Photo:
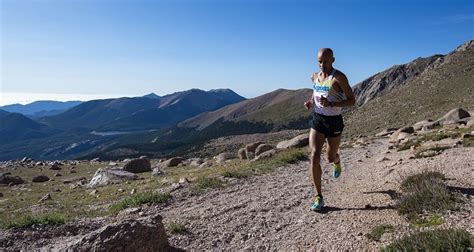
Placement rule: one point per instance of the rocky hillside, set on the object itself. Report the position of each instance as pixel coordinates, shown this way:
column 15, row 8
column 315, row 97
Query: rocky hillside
column 279, row 108
column 424, row 88
column 259, row 201
column 384, row 82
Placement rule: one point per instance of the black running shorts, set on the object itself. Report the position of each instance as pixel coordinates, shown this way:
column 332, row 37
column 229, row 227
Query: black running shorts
column 331, row 126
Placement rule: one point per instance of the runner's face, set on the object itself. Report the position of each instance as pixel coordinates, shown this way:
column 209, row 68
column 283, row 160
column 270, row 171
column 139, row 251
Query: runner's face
column 325, row 61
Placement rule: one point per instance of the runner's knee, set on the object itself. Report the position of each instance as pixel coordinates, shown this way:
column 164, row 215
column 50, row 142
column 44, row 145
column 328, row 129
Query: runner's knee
column 315, row 153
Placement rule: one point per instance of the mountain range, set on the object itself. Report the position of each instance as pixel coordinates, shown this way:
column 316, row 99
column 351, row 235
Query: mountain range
column 182, row 122
column 39, row 109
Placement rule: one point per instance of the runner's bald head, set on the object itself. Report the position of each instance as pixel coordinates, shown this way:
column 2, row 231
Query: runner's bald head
column 326, row 52
column 325, row 59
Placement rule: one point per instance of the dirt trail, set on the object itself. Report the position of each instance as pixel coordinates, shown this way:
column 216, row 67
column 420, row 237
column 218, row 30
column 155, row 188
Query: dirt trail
column 272, row 211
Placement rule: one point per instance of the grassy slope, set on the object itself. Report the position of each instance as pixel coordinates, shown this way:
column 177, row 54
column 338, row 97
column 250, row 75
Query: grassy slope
column 428, row 96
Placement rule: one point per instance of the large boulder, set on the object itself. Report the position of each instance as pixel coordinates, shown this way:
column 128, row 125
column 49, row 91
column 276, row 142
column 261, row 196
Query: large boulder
column 266, row 154
column 419, row 125
column 262, row 148
column 55, row 167
column 296, row 142
column 386, row 132
column 40, row 178
column 470, row 123
column 173, row 162
column 157, row 172
column 394, row 136
column 145, row 234
column 430, row 125
column 195, row 162
column 5, row 179
column 224, row 157
column 74, row 180
column 252, row 146
column 104, row 176
column 242, row 154
column 138, row 165
column 455, row 115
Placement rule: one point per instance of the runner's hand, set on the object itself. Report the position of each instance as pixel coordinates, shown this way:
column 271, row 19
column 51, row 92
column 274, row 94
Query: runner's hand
column 324, row 101
column 308, row 104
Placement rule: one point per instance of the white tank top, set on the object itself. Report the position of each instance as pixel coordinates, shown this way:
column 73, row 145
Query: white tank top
column 327, row 90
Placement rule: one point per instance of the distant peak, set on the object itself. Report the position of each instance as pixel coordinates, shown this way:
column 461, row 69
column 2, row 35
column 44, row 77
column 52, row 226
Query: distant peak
column 221, row 90
column 465, row 46
column 152, row 96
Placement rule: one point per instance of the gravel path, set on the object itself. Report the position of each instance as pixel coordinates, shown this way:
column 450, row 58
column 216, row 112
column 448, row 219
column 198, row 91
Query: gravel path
column 272, row 211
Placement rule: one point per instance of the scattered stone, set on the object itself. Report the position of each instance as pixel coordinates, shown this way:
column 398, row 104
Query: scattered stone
column 262, row 148
column 470, row 123
column 242, row 154
column 386, row 132
column 224, row 157
column 75, row 179
column 252, row 146
column 94, row 192
column 419, row 125
column 266, row 154
column 395, row 136
column 55, row 167
column 45, row 197
column 133, row 191
column 40, row 178
column 157, row 172
column 466, row 135
column 172, row 162
column 195, row 162
column 296, row 142
column 5, row 179
column 144, row 234
column 110, row 176
column 183, row 181
column 428, row 153
column 95, row 160
column 138, row 165
column 58, row 175
column 430, row 126
column 383, row 159
column 120, row 190
column 112, row 164
column 455, row 115
column 205, row 164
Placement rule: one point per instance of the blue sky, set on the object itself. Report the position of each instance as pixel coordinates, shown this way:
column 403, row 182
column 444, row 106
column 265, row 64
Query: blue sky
column 110, row 48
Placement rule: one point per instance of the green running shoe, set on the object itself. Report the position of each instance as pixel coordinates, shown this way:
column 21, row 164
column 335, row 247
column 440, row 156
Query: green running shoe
column 336, row 170
column 318, row 204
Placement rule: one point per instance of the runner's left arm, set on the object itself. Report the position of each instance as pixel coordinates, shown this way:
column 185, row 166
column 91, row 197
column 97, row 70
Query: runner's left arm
column 344, row 85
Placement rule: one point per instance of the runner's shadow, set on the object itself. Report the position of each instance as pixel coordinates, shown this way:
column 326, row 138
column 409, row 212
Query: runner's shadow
column 391, row 193
column 469, row 190
column 328, row 209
